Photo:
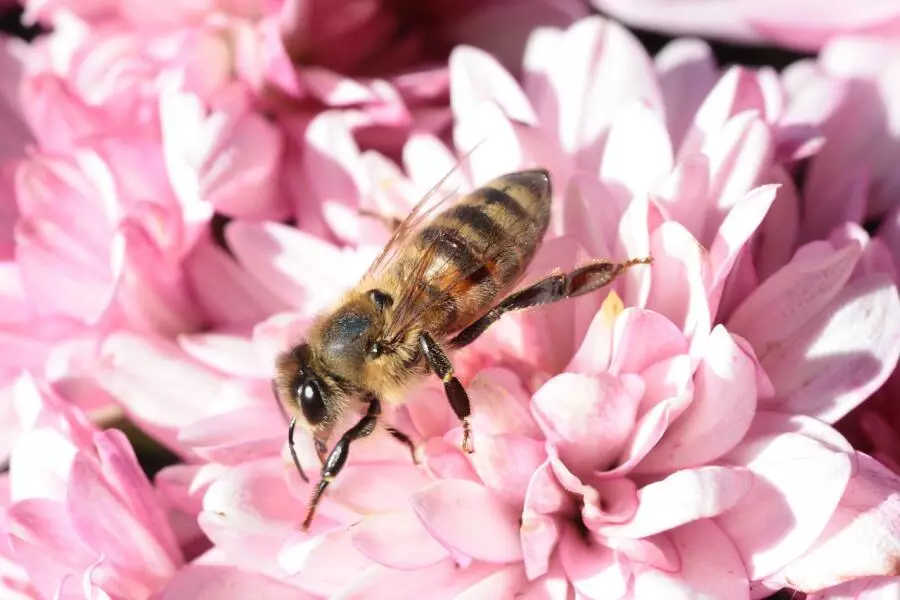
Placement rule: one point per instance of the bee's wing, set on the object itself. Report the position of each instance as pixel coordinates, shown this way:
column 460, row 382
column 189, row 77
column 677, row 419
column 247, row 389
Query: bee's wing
column 419, row 214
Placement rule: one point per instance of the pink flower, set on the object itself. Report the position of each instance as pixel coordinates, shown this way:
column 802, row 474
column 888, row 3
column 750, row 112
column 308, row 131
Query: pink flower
column 82, row 514
column 802, row 24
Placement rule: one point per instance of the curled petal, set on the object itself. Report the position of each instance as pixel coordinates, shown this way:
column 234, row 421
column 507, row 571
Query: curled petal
column 469, row 519
column 683, row 497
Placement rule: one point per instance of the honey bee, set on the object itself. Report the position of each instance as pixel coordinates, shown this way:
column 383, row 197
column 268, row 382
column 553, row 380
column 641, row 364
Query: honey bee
column 435, row 287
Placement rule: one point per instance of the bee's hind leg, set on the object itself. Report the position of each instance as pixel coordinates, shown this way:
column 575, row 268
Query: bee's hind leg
column 556, row 287
column 456, row 393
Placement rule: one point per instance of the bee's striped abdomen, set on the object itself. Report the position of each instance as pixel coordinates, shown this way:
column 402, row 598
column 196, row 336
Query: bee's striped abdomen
column 481, row 245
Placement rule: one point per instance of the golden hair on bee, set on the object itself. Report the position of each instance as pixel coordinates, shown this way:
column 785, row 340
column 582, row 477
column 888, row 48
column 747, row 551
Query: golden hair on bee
column 437, row 286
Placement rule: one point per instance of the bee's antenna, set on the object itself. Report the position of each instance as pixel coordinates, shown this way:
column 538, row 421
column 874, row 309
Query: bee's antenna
column 292, row 423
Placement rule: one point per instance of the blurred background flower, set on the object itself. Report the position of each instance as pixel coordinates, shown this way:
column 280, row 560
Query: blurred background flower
column 184, row 188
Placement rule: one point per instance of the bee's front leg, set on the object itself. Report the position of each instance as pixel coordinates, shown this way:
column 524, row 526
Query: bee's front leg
column 338, row 456
column 456, row 393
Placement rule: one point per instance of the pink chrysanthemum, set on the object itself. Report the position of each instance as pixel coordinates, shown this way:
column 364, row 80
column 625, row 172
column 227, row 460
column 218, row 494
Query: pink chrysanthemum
column 669, row 437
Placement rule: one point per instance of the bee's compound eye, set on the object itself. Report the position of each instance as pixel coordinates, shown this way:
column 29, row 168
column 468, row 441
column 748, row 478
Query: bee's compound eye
column 310, row 399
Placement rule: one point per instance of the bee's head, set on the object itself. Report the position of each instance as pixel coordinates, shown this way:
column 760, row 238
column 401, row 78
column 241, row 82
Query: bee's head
column 301, row 388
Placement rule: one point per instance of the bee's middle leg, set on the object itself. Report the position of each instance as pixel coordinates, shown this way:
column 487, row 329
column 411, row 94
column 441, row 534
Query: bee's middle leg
column 456, row 393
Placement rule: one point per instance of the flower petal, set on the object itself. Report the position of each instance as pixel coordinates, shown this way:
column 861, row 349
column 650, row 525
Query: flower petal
column 710, row 568
column 221, row 582
column 468, row 518
column 861, row 540
column 476, row 77
column 592, row 568
column 687, row 72
column 588, row 417
column 683, row 497
column 638, row 153
column 398, row 540
column 710, row 426
column 641, row 338
column 506, row 463
column 800, row 481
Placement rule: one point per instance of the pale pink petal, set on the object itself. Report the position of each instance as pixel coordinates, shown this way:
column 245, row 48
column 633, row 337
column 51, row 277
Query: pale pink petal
column 633, row 240
column 378, row 487
column 777, row 235
column 710, row 568
column 90, row 495
column 553, row 585
column 398, row 540
column 687, row 71
column 469, row 519
column 229, row 353
column 248, row 513
column 594, row 69
column 161, row 387
column 737, row 228
column 385, row 582
column 677, row 290
column 500, row 403
column 237, row 436
column 799, row 483
column 739, row 154
column 588, row 417
column 225, row 292
column 540, row 528
column 506, row 463
column 846, row 202
column 866, row 588
column 608, row 501
column 683, row 497
column 655, row 551
column 220, row 582
column 503, row 582
column 593, row 569
column 710, row 426
column 638, row 153
column 793, row 295
column 311, row 561
column 287, row 261
column 862, row 325
column 477, row 77
column 591, row 212
column 862, row 538
column 594, row 352
column 684, row 194
column 643, row 337
column 185, row 485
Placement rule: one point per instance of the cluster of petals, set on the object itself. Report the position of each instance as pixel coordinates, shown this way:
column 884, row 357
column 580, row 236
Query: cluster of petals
column 799, row 25
column 672, row 437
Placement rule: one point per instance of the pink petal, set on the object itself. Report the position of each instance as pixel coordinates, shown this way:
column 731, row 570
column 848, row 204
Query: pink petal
column 592, row 568
column 220, row 582
column 861, row 540
column 866, row 588
column 638, row 153
column 641, row 338
column 656, row 551
column 160, row 386
column 799, row 483
column 236, row 436
column 863, row 324
column 540, row 528
column 684, row 194
column 687, row 71
column 377, row 487
column 500, row 403
column 737, row 228
column 591, row 211
column 778, row 234
column 90, row 495
column 677, row 289
column 846, row 202
column 286, row 260
column 506, row 463
column 710, row 568
column 225, row 292
column 793, row 295
column 468, row 518
column 588, row 417
column 184, row 486
column 503, row 582
column 608, row 502
column 737, row 90
column 477, row 77
column 553, row 585
column 683, row 497
column 232, row 354
column 398, row 540
column 311, row 562
column 384, row 582
column 248, row 513
column 710, row 426
column 739, row 156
